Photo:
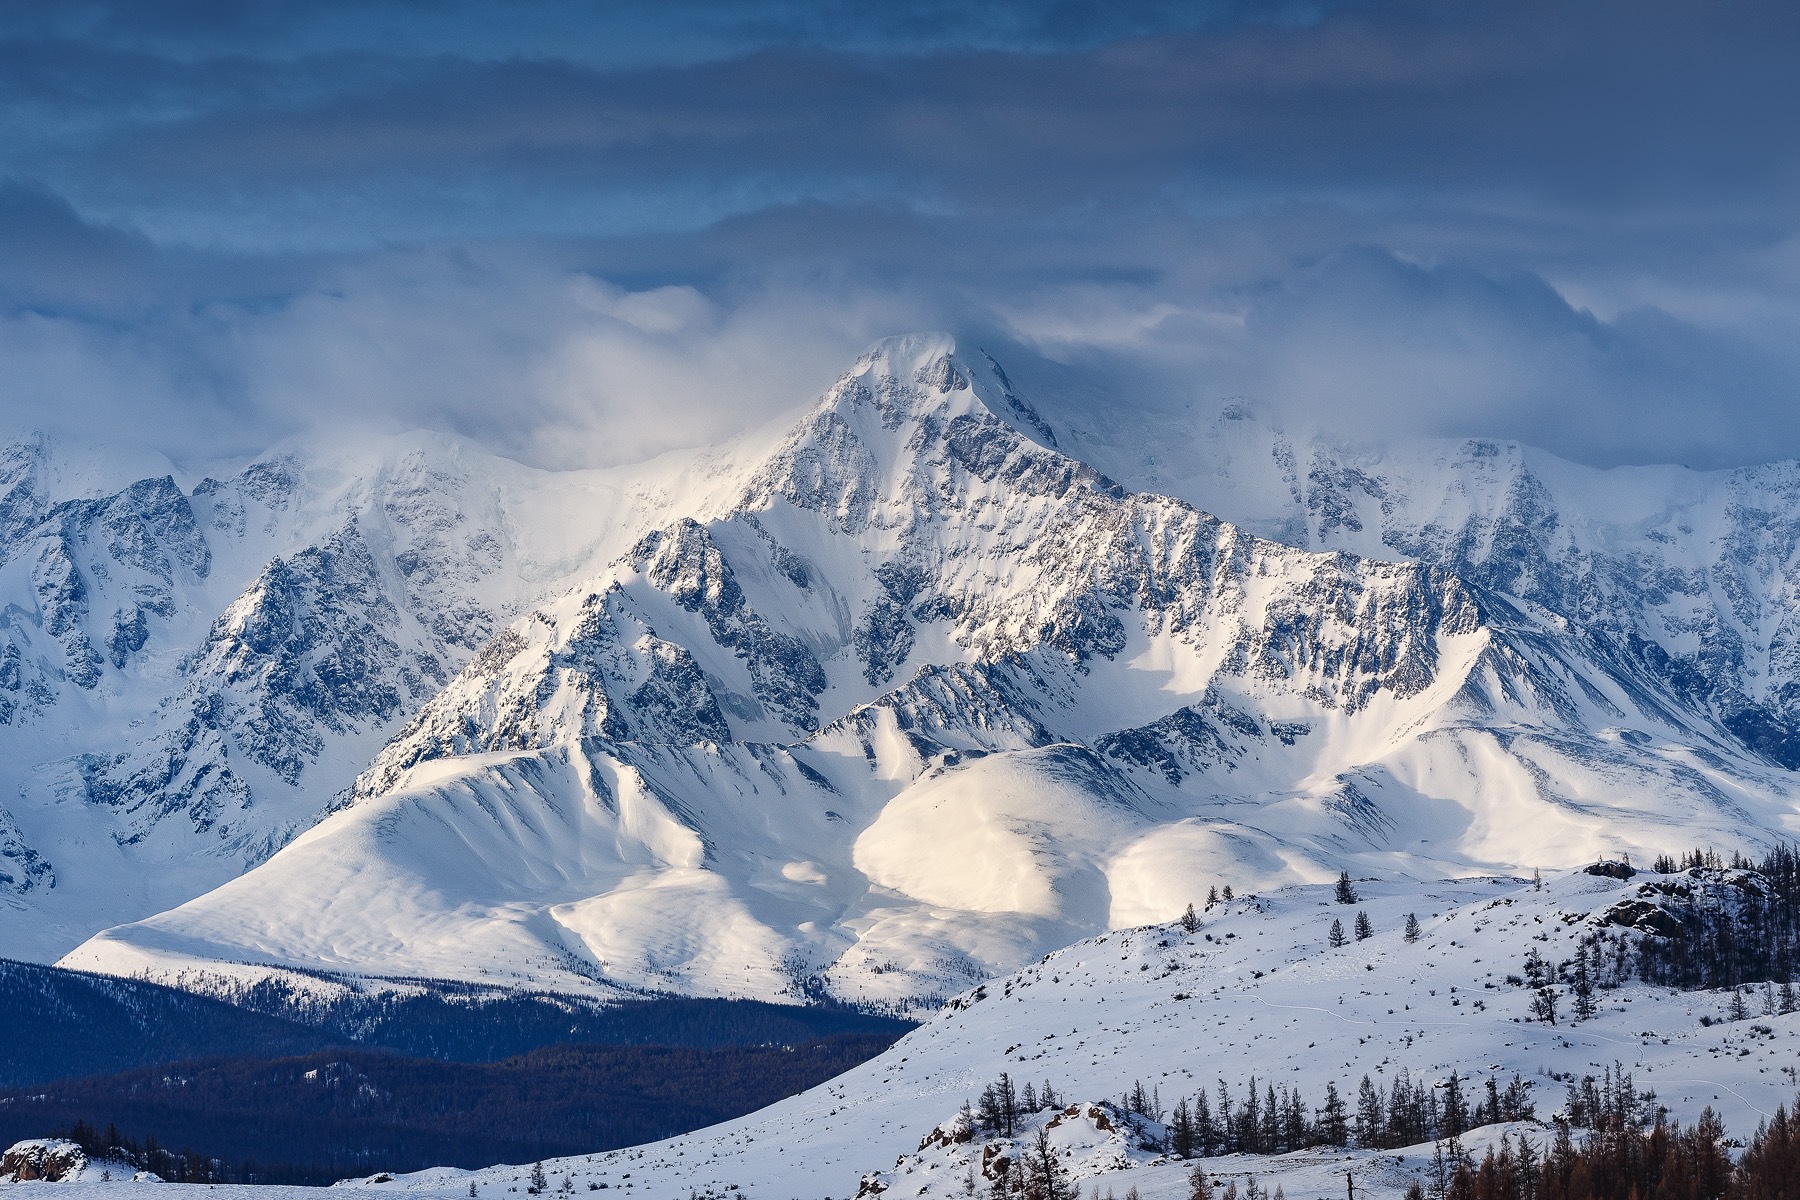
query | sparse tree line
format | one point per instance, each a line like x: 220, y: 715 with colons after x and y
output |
x: 1750, y: 937
x: 1622, y: 1160
x: 175, y: 1166
x: 1261, y: 1118
x: 1634, y: 1151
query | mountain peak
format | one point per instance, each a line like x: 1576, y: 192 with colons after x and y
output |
x: 910, y: 376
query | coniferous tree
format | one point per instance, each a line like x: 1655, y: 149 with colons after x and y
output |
x: 1336, y: 936
x: 1205, y: 1130
x: 1334, y: 1124
x: 1413, y: 931
x: 988, y: 1115
x: 1364, y: 928
x: 1583, y: 987
x: 1270, y: 1136
x: 1212, y: 896
x: 1199, y: 1186
x: 1456, y: 1109
x: 1227, y: 892
x: 1182, y: 1142
x: 1346, y: 894
x: 1371, y: 1119
x: 1048, y: 1173
x: 1190, y: 920
x: 1009, y: 1103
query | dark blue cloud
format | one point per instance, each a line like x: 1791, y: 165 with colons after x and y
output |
x: 1478, y: 217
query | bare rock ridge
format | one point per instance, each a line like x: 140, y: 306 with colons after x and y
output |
x: 907, y: 698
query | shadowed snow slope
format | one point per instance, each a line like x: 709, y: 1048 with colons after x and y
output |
x: 908, y: 697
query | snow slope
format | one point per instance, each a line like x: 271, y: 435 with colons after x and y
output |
x: 910, y: 697
x: 1256, y: 992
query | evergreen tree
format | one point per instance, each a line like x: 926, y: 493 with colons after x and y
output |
x: 1270, y: 1136
x: 1543, y: 1005
x: 1371, y: 1120
x: 1412, y: 927
x: 1227, y: 892
x: 1048, y: 1174
x: 1346, y: 894
x: 1009, y: 1103
x: 1182, y: 1141
x: 1336, y: 935
x: 1739, y: 1011
x: 1199, y: 1186
x: 1212, y: 896
x: 1205, y: 1134
x: 989, y: 1118
x: 538, y: 1182
x: 1190, y: 920
x: 1583, y: 986
x: 1364, y: 929
x: 1334, y: 1124
x: 1456, y: 1109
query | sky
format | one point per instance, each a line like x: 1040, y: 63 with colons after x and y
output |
x: 583, y: 233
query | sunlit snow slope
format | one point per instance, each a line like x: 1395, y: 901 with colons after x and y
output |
x: 912, y: 697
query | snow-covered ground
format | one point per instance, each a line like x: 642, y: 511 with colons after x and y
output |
x: 1257, y: 991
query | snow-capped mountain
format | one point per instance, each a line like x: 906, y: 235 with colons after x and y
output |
x: 908, y: 696
x: 1689, y: 577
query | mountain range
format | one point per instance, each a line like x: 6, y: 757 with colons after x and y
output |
x: 874, y: 703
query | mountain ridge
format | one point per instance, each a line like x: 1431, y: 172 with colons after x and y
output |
x: 916, y: 696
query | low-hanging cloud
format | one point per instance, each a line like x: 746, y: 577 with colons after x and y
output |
x: 1571, y: 227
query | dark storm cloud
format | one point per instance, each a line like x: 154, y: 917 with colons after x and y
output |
x: 1571, y: 224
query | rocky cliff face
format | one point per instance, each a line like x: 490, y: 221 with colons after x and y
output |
x: 915, y: 696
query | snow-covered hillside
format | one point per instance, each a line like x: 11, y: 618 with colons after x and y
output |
x: 910, y: 697
x: 191, y: 671
x: 1258, y: 992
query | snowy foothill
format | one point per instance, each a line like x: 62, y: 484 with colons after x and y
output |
x: 1257, y: 991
